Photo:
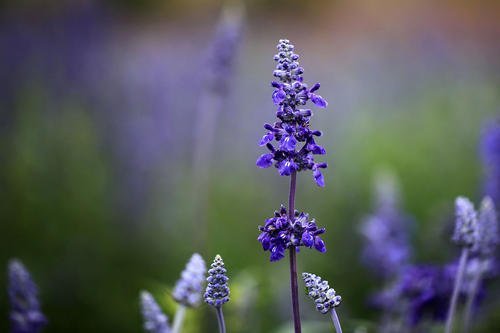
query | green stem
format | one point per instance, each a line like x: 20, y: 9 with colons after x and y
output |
x: 456, y: 290
x: 179, y: 319
x: 336, y: 321
x: 220, y: 319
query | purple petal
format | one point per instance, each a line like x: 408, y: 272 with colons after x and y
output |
x: 286, y: 167
x: 315, y: 87
x: 307, y: 239
x: 318, y: 100
x: 277, y: 252
x: 319, y: 244
x: 315, y: 149
x: 288, y: 143
x: 265, y: 161
x: 318, y: 177
x: 267, y: 138
x: 278, y: 96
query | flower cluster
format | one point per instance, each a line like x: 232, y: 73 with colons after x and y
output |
x: 189, y: 287
x: 292, y: 128
x: 25, y: 315
x: 319, y: 291
x: 217, y: 292
x: 155, y: 321
x: 465, y: 223
x: 487, y: 237
x: 422, y: 290
x: 280, y: 233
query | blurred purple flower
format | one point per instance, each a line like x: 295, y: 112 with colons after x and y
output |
x: 387, y: 250
x: 490, y: 152
x: 465, y: 233
x: 155, y: 321
x: 223, y: 51
x: 421, y: 291
x: 487, y: 238
x: 25, y: 313
x: 279, y: 233
x: 188, y: 289
x: 293, y: 126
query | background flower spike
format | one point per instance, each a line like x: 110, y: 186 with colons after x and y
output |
x: 155, y: 321
x: 188, y: 289
x: 25, y: 313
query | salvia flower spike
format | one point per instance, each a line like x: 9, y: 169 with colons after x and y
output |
x: 280, y: 233
x: 188, y: 289
x: 487, y: 230
x: 490, y: 153
x: 25, y: 314
x: 295, y: 144
x: 325, y: 298
x: 217, y: 292
x: 387, y: 248
x: 464, y: 235
x: 465, y: 223
x: 155, y: 321
x: 486, y: 243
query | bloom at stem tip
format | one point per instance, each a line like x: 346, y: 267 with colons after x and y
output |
x: 295, y: 141
x: 320, y: 292
x: 465, y: 223
x: 217, y: 292
x: 487, y: 237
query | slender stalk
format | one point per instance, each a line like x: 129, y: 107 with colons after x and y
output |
x: 336, y: 321
x: 471, y: 297
x: 456, y: 290
x: 294, y: 286
x: 179, y: 318
x: 220, y: 319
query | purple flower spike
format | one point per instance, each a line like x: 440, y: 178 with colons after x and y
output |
x: 490, y: 153
x: 318, y: 100
x: 465, y: 233
x: 25, y: 314
x: 155, y: 321
x: 295, y: 144
x: 387, y: 250
x: 487, y: 238
x: 324, y: 297
x: 217, y: 292
x: 280, y: 233
x: 188, y: 289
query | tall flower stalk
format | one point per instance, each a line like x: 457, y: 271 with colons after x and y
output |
x: 294, y: 152
x: 217, y: 292
x: 25, y: 314
x: 465, y: 236
x: 216, y: 77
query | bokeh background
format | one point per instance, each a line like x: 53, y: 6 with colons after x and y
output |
x: 100, y: 111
